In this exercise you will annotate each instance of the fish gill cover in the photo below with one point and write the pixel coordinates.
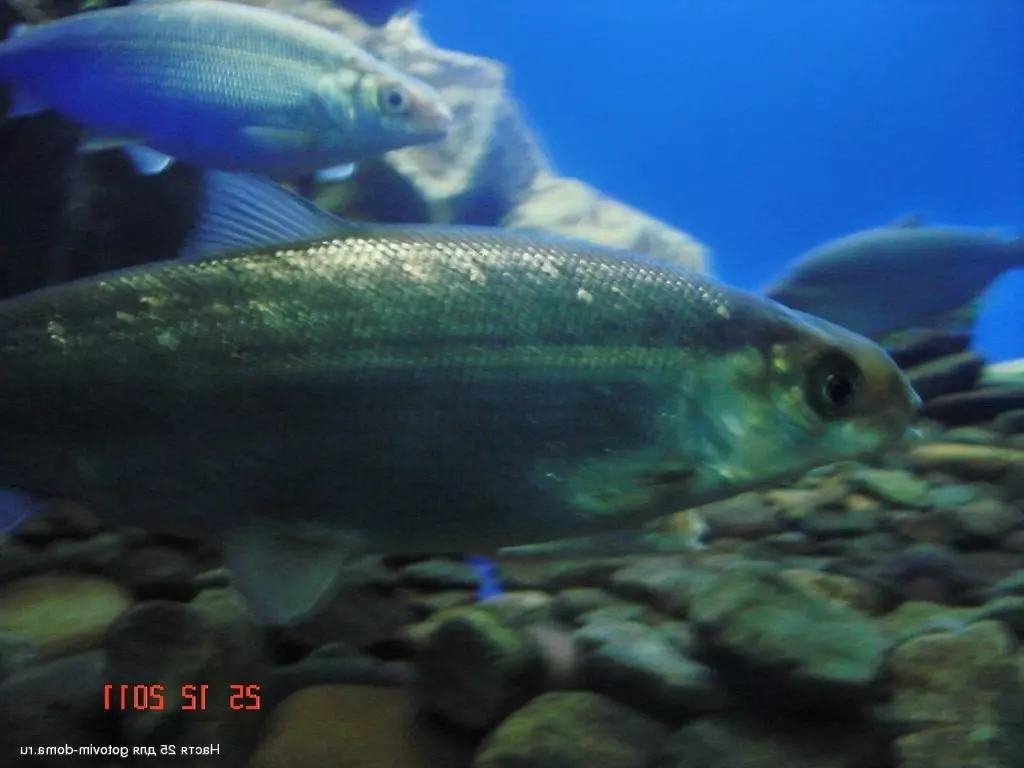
(336, 391)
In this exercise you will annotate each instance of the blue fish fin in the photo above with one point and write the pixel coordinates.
(24, 104)
(147, 161)
(286, 575)
(487, 572)
(242, 211)
(15, 506)
(336, 173)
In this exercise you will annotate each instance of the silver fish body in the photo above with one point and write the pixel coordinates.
(896, 278)
(221, 85)
(422, 390)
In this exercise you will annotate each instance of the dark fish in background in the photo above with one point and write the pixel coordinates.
(219, 85)
(401, 389)
(897, 278)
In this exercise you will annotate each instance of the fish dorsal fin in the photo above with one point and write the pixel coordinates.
(241, 211)
(907, 221)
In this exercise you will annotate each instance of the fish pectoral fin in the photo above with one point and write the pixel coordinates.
(285, 576)
(147, 161)
(335, 173)
(24, 104)
(103, 143)
(271, 136)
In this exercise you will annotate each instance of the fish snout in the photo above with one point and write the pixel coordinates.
(430, 116)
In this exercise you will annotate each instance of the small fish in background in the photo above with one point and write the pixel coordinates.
(219, 85)
(303, 390)
(898, 277)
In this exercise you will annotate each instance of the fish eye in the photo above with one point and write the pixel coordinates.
(393, 99)
(834, 385)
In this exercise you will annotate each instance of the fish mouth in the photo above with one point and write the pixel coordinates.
(433, 118)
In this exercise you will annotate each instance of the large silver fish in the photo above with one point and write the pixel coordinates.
(898, 277)
(415, 390)
(219, 85)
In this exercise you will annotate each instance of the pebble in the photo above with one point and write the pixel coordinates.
(642, 669)
(573, 729)
(666, 584)
(519, 609)
(831, 524)
(356, 726)
(956, 698)
(18, 559)
(56, 702)
(969, 461)
(439, 574)
(99, 554)
(1013, 542)
(474, 670)
(852, 593)
(1010, 585)
(953, 373)
(952, 495)
(896, 486)
(805, 651)
(958, 747)
(156, 573)
(954, 677)
(941, 526)
(60, 519)
(745, 516)
(1009, 423)
(570, 604)
(212, 642)
(988, 519)
(975, 407)
(918, 617)
(15, 654)
(928, 345)
(61, 614)
(927, 572)
(717, 741)
(1008, 610)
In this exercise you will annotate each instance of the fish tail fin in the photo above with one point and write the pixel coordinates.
(241, 211)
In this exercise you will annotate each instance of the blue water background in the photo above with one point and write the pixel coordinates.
(765, 128)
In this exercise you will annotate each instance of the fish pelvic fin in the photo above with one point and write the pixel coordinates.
(242, 211)
(286, 574)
